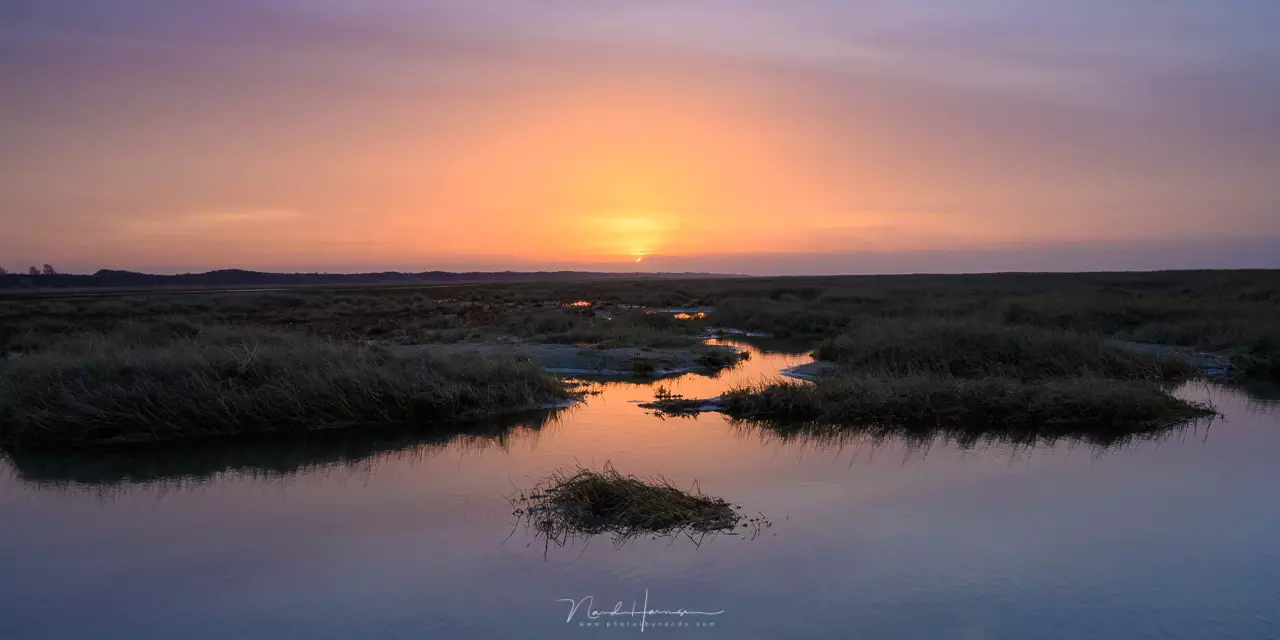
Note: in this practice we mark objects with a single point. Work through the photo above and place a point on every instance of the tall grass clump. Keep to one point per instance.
(941, 401)
(581, 501)
(110, 389)
(972, 350)
(1262, 358)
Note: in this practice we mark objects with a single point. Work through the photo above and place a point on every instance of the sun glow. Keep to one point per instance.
(629, 235)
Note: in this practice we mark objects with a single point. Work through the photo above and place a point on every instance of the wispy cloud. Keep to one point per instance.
(211, 220)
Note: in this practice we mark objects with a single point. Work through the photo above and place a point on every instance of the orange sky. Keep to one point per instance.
(285, 135)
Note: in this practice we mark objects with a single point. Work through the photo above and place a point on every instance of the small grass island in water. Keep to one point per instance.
(930, 373)
(578, 502)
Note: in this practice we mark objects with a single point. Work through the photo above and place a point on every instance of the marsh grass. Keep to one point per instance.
(1263, 360)
(621, 330)
(1234, 313)
(667, 403)
(133, 387)
(970, 349)
(721, 358)
(923, 401)
(576, 502)
(644, 366)
(973, 378)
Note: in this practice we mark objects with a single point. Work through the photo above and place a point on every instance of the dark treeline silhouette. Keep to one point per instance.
(50, 278)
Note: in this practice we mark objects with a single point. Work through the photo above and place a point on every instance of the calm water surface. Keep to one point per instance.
(1177, 537)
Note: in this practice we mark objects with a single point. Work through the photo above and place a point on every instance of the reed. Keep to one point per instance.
(224, 381)
(970, 349)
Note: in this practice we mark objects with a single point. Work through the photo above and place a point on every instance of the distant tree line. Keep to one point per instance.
(46, 270)
(47, 276)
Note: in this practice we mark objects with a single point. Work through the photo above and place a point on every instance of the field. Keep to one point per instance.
(1031, 349)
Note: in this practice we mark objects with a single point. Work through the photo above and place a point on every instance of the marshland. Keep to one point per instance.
(245, 449)
(1088, 349)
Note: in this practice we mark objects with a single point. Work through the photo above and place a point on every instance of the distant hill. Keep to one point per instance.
(242, 278)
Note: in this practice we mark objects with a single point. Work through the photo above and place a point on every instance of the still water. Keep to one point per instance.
(1175, 537)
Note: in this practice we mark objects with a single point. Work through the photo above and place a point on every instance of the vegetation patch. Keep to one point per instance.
(119, 388)
(1231, 313)
(720, 357)
(973, 377)
(668, 403)
(580, 501)
(1262, 359)
(969, 349)
(575, 325)
(644, 365)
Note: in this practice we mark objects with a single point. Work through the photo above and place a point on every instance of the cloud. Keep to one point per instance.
(208, 221)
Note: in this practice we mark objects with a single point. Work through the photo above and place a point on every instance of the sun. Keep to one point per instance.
(631, 235)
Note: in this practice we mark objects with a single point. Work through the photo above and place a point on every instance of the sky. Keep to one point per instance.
(733, 136)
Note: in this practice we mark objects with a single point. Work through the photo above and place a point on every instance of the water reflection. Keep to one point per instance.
(545, 534)
(963, 437)
(408, 536)
(918, 441)
(1264, 394)
(188, 464)
(179, 465)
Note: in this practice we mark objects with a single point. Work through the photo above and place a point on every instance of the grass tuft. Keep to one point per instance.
(576, 502)
(719, 358)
